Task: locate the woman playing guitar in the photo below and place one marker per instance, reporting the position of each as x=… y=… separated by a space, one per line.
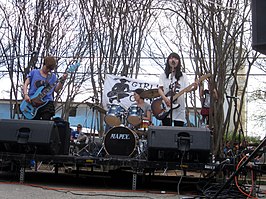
x=171 y=82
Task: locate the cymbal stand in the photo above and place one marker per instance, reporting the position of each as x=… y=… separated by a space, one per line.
x=89 y=148
x=96 y=124
x=142 y=148
x=123 y=118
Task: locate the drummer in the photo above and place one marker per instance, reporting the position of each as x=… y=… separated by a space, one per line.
x=146 y=107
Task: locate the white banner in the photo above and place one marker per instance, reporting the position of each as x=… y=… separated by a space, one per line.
x=119 y=90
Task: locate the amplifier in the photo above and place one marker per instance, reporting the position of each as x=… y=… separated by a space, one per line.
x=64 y=135
x=29 y=136
x=188 y=144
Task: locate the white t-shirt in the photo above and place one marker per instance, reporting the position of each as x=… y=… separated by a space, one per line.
x=179 y=113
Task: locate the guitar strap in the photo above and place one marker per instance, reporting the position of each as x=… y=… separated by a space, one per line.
x=47 y=86
x=174 y=91
x=172 y=88
x=49 y=76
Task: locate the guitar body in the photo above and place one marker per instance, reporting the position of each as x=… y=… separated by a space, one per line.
x=29 y=110
x=156 y=107
x=160 y=109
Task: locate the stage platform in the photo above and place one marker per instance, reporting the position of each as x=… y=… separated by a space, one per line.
x=171 y=152
x=19 y=163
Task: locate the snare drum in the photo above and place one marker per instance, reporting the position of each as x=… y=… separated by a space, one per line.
x=120 y=141
x=134 y=115
x=115 y=115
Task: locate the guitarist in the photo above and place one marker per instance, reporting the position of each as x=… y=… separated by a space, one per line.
x=172 y=81
x=43 y=77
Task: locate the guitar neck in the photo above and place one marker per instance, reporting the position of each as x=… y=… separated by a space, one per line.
x=188 y=88
x=46 y=90
x=177 y=95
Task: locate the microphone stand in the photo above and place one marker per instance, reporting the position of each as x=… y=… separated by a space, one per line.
x=171 y=97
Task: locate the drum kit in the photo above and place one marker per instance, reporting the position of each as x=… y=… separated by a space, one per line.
x=128 y=133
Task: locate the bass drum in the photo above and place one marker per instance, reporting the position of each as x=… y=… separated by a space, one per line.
x=120 y=141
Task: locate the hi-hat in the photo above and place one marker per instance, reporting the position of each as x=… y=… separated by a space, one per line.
x=151 y=93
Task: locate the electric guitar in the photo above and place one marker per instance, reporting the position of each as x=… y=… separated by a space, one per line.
x=159 y=108
x=29 y=109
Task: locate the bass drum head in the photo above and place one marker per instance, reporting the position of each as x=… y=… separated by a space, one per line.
x=120 y=141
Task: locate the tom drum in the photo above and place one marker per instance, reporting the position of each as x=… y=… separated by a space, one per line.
x=134 y=115
x=115 y=114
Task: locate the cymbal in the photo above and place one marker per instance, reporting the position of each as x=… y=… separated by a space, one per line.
x=151 y=93
x=100 y=109
x=96 y=106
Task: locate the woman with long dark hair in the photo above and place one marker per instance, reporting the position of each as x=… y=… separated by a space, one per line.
x=172 y=81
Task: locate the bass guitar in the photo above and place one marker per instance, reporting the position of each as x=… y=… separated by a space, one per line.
x=160 y=110
x=29 y=109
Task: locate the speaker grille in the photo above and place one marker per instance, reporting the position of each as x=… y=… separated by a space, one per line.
x=29 y=136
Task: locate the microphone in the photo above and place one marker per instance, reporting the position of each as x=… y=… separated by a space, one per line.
x=232 y=97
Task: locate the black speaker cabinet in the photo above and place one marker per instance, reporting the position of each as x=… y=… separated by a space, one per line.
x=259 y=25
x=29 y=136
x=64 y=135
x=186 y=144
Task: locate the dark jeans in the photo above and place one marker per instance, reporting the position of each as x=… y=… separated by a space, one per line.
x=46 y=112
x=167 y=122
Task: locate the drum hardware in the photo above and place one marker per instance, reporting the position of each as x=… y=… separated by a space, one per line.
x=142 y=148
x=91 y=147
x=100 y=151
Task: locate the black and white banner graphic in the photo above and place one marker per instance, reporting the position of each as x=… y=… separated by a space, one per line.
x=119 y=90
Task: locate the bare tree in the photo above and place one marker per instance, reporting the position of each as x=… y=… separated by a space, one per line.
x=38 y=29
x=104 y=36
x=108 y=37
x=218 y=34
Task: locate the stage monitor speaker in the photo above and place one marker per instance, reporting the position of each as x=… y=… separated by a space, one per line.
x=259 y=25
x=64 y=135
x=187 y=144
x=29 y=136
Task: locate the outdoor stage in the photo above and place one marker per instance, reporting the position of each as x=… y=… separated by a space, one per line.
x=28 y=144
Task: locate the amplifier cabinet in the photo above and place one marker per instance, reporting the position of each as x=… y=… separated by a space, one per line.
x=29 y=136
x=64 y=135
x=188 y=144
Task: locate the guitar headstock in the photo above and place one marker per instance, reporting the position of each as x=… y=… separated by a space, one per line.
x=73 y=67
x=203 y=77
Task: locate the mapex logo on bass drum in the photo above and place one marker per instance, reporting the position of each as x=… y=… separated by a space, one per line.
x=118 y=136
x=120 y=141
